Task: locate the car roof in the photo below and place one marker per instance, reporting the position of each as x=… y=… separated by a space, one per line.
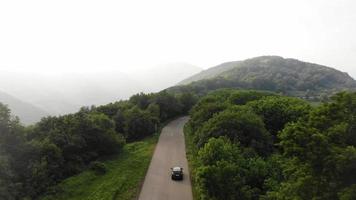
x=177 y=169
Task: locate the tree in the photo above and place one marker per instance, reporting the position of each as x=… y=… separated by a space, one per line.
x=218 y=149
x=169 y=105
x=187 y=100
x=204 y=110
x=7 y=189
x=141 y=100
x=220 y=181
x=277 y=111
x=100 y=135
x=239 y=124
x=322 y=152
x=139 y=124
x=225 y=173
x=119 y=119
x=154 y=110
x=244 y=96
x=13 y=155
x=219 y=177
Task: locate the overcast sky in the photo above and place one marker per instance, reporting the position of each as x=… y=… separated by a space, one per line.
x=73 y=35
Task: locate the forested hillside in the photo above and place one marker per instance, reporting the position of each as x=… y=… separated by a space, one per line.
x=34 y=159
x=273 y=73
x=256 y=145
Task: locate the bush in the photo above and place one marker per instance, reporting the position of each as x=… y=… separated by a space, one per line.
x=98 y=167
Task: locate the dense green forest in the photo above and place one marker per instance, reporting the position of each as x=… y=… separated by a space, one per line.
x=242 y=144
x=273 y=73
x=258 y=145
x=34 y=159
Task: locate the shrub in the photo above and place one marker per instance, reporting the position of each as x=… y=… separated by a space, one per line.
x=98 y=167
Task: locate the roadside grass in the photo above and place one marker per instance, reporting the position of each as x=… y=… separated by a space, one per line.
x=122 y=181
x=191 y=151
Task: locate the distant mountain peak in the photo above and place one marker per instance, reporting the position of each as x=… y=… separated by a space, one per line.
x=275 y=73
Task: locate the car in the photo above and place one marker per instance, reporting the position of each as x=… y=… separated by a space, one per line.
x=177 y=173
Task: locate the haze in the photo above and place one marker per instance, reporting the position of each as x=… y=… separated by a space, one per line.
x=60 y=55
x=56 y=36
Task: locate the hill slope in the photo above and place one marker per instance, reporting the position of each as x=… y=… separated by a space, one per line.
x=27 y=113
x=274 y=73
x=210 y=73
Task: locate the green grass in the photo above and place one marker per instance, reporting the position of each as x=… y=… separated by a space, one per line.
x=191 y=151
x=122 y=181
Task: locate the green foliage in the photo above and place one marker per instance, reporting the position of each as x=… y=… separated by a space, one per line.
x=218 y=101
x=225 y=173
x=122 y=180
x=218 y=149
x=119 y=119
x=139 y=124
x=277 y=111
x=154 y=110
x=203 y=112
x=323 y=149
x=243 y=97
x=219 y=181
x=12 y=150
x=239 y=125
x=6 y=176
x=348 y=193
x=98 y=167
x=141 y=100
x=34 y=159
x=218 y=176
x=111 y=109
x=169 y=105
x=188 y=100
x=314 y=159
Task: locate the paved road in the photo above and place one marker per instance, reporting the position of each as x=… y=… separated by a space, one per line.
x=169 y=152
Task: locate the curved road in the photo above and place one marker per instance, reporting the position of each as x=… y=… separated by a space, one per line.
x=169 y=152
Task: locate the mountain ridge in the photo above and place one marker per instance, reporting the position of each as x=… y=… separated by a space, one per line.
x=274 y=73
x=27 y=113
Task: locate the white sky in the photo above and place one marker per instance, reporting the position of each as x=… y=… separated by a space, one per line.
x=78 y=35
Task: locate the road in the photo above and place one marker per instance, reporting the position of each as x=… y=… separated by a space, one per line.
x=169 y=152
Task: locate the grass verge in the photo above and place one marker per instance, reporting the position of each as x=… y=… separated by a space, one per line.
x=191 y=151
x=122 y=180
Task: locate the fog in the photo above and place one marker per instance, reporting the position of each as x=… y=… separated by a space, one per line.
x=60 y=55
x=59 y=93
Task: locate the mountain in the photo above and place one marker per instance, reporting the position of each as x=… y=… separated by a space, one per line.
x=210 y=73
x=67 y=92
x=27 y=113
x=273 y=73
x=85 y=89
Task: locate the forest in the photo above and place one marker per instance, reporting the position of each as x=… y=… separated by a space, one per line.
x=34 y=159
x=257 y=145
x=241 y=144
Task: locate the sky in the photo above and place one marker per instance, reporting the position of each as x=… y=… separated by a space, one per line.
x=50 y=36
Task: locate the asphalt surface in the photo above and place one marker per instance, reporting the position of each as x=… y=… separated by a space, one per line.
x=169 y=152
